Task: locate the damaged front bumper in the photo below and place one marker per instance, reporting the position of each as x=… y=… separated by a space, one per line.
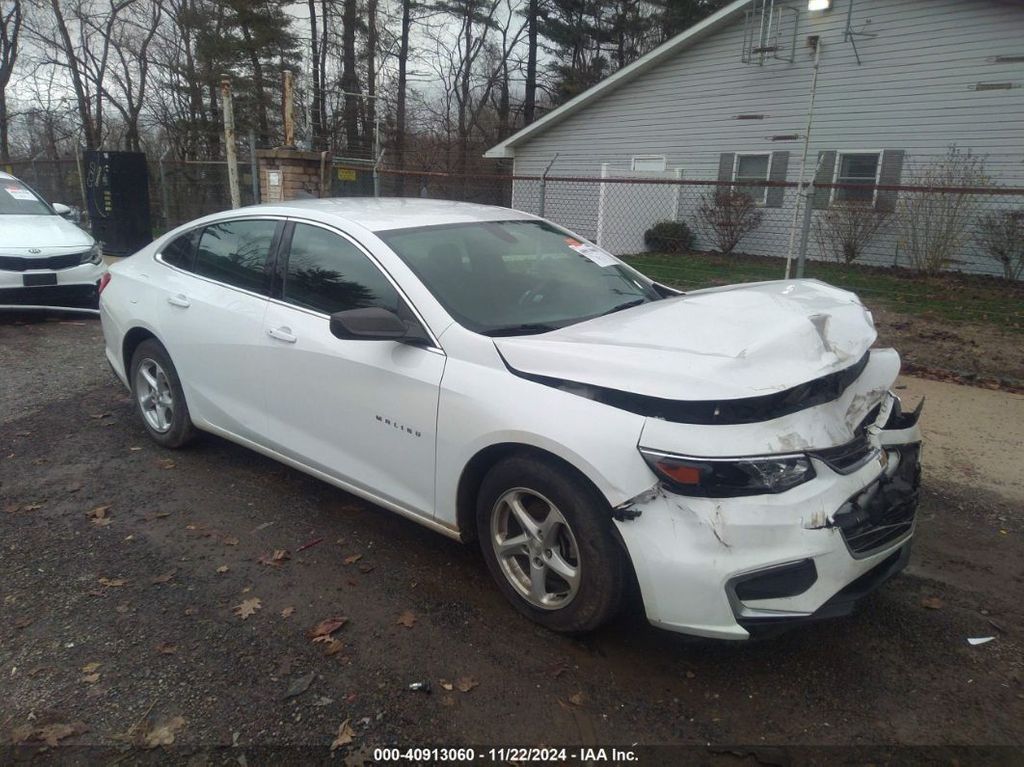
x=731 y=567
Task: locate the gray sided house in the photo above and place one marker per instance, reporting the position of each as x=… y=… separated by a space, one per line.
x=728 y=100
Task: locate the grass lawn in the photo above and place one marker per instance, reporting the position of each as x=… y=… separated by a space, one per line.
x=947 y=298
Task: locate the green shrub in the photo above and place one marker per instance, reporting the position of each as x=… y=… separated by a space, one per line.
x=669 y=237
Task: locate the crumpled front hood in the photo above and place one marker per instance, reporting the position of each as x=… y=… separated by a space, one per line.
x=19 y=232
x=724 y=343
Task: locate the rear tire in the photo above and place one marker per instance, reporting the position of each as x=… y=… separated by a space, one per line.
x=159 y=398
x=546 y=535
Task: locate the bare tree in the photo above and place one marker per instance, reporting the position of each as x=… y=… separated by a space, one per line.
x=846 y=229
x=934 y=224
x=10 y=30
x=727 y=216
x=1000 y=235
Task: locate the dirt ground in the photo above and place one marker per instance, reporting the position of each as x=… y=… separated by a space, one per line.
x=123 y=624
x=971 y=352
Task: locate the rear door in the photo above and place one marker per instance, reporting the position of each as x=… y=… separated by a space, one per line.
x=364 y=412
x=212 y=319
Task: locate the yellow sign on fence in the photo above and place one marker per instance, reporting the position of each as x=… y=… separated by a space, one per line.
x=346 y=174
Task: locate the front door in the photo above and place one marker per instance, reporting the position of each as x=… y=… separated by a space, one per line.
x=364 y=412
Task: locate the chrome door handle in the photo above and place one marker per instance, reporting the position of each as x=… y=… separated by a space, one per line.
x=282 y=334
x=179 y=300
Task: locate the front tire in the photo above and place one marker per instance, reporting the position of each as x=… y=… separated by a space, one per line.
x=547 y=538
x=159 y=398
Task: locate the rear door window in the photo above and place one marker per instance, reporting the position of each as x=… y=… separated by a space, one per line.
x=237 y=253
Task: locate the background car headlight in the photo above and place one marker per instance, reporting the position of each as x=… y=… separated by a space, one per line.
x=730 y=477
x=94 y=255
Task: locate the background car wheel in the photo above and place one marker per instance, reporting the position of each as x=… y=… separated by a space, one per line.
x=158 y=396
x=547 y=539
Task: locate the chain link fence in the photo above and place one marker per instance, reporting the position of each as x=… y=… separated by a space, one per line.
x=179 y=190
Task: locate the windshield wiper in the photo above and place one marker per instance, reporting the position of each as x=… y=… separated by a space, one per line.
x=627 y=305
x=527 y=328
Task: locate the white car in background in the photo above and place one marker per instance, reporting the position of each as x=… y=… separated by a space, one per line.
x=735 y=453
x=44 y=258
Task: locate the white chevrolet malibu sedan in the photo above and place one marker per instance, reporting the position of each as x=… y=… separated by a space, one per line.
x=732 y=456
x=43 y=257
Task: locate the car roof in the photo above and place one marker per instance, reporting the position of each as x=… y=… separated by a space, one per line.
x=6 y=175
x=382 y=213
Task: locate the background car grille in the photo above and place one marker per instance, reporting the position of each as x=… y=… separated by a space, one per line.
x=19 y=264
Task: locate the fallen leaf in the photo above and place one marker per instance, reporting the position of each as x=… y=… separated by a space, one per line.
x=91 y=678
x=230 y=541
x=88 y=668
x=163 y=735
x=167 y=648
x=99 y=512
x=33 y=506
x=22 y=623
x=113 y=583
x=50 y=734
x=322 y=631
x=446 y=685
x=248 y=607
x=407 y=619
x=100 y=415
x=278 y=558
x=166 y=463
x=932 y=603
x=576 y=698
x=223 y=569
x=364 y=568
x=163 y=578
x=447 y=700
x=133 y=449
x=300 y=684
x=345 y=736
x=351 y=560
x=334 y=647
x=122 y=608
x=465 y=683
x=287 y=612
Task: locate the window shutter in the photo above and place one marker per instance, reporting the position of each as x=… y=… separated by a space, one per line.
x=777 y=172
x=726 y=162
x=825 y=174
x=892 y=171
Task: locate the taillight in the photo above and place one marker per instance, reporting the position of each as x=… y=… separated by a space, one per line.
x=104 y=281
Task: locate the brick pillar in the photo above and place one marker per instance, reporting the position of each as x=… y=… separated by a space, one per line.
x=288 y=174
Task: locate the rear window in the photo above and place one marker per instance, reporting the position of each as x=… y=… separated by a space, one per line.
x=181 y=251
x=236 y=253
x=18 y=199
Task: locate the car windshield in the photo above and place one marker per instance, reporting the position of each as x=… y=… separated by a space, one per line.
x=517 y=277
x=18 y=199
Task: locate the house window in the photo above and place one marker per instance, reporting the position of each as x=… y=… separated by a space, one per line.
x=857 y=168
x=650 y=162
x=752 y=167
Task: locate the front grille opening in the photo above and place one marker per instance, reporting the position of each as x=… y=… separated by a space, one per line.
x=19 y=264
x=885 y=511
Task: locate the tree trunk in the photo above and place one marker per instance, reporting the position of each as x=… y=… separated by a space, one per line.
x=403 y=60
x=349 y=77
x=316 y=127
x=5 y=146
x=369 y=131
x=530 y=102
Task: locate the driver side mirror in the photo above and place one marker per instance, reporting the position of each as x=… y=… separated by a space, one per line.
x=376 y=323
x=61 y=209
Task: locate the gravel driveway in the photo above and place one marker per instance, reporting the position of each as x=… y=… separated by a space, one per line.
x=127 y=574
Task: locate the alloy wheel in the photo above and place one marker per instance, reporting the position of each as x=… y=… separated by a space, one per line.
x=535 y=548
x=155 y=397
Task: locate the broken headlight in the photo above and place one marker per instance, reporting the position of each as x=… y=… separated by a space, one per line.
x=729 y=477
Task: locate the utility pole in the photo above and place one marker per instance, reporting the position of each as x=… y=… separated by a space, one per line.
x=804 y=190
x=230 y=150
x=289 y=115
